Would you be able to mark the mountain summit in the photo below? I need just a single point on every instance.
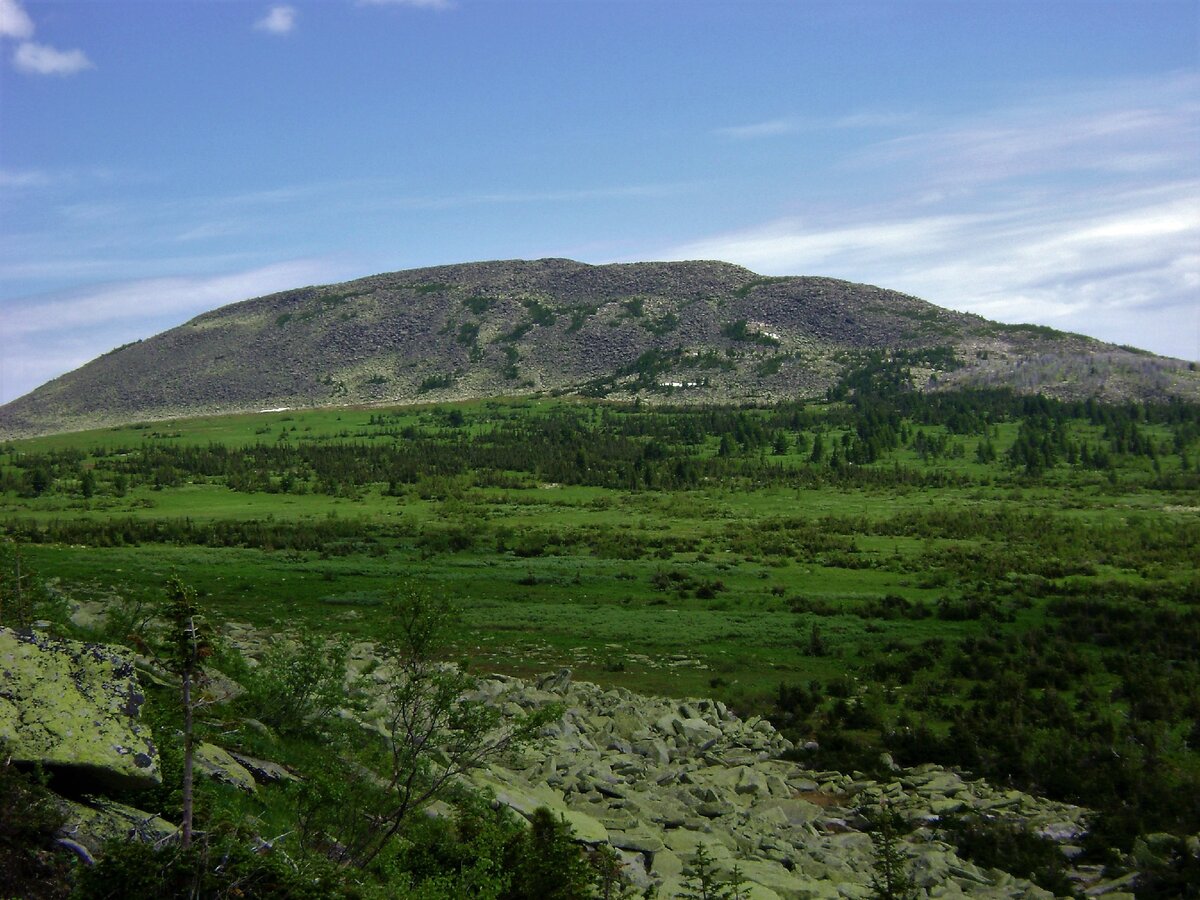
(687, 332)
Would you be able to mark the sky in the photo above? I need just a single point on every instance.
(1027, 161)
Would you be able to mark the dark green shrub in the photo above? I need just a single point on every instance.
(992, 843)
(29, 820)
(229, 869)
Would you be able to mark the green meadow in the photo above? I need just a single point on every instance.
(1002, 583)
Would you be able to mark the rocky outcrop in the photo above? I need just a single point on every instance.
(73, 708)
(514, 327)
(96, 821)
(657, 778)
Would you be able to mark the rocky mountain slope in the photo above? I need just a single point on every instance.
(684, 332)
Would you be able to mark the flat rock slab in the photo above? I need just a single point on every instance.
(96, 822)
(525, 799)
(219, 765)
(70, 705)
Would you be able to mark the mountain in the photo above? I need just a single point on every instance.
(683, 332)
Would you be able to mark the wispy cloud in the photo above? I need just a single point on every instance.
(1079, 208)
(756, 130)
(522, 197)
(40, 59)
(14, 21)
(417, 4)
(42, 337)
(105, 304)
(25, 178)
(278, 20)
(796, 125)
(874, 120)
(1128, 127)
(1059, 260)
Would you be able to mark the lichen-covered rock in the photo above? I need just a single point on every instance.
(219, 765)
(526, 798)
(264, 770)
(96, 822)
(70, 705)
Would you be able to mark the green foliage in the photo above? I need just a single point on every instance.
(222, 870)
(539, 314)
(478, 305)
(704, 881)
(770, 366)
(127, 620)
(434, 736)
(188, 640)
(977, 612)
(996, 844)
(29, 820)
(21, 591)
(579, 316)
(890, 875)
(299, 684)
(435, 382)
(468, 334)
(663, 325)
(609, 879)
(740, 330)
(1168, 867)
(546, 864)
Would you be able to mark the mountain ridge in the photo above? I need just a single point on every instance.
(690, 332)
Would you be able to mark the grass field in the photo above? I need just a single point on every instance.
(712, 552)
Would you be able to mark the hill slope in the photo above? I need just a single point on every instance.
(687, 331)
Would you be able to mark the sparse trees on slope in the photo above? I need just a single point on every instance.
(434, 734)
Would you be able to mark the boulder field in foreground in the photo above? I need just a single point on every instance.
(656, 778)
(652, 777)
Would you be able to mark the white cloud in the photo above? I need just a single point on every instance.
(39, 59)
(873, 120)
(42, 337)
(795, 125)
(14, 21)
(1121, 267)
(278, 20)
(1120, 128)
(1078, 207)
(789, 242)
(153, 297)
(417, 4)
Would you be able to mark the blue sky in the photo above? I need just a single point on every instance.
(1027, 161)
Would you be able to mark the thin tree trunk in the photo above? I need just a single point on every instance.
(186, 839)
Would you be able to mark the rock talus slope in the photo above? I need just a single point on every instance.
(683, 332)
(657, 778)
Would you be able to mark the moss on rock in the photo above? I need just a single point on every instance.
(68, 705)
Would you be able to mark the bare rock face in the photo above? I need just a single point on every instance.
(74, 708)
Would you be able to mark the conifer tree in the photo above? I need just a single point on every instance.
(187, 647)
